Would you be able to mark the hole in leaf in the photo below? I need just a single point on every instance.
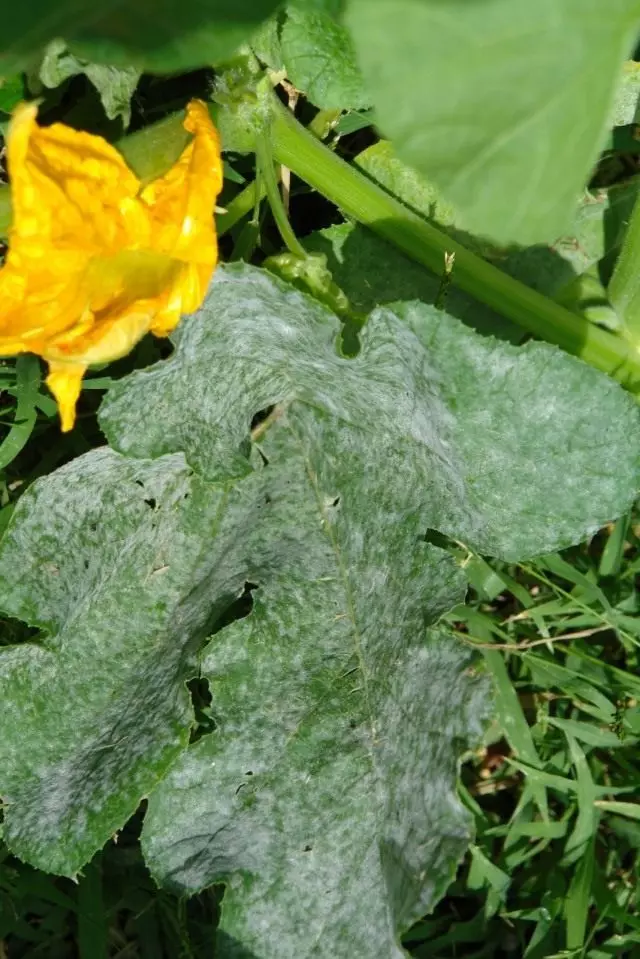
(261, 416)
(349, 340)
(201, 700)
(239, 609)
(307, 848)
(436, 538)
(151, 503)
(139, 483)
(13, 632)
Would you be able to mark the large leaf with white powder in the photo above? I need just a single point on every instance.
(325, 795)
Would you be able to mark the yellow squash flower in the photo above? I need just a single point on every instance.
(95, 259)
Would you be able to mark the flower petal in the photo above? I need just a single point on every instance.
(65, 381)
(182, 203)
(95, 262)
(70, 190)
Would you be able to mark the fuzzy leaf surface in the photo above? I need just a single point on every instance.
(115, 85)
(325, 796)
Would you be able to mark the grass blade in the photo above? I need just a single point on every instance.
(28, 376)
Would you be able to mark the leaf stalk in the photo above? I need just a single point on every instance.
(359, 197)
(624, 286)
(152, 150)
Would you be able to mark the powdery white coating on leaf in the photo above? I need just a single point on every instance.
(549, 444)
(120, 563)
(325, 797)
(519, 450)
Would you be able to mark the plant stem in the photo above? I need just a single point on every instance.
(241, 205)
(267, 173)
(624, 287)
(366, 202)
(5, 210)
(151, 151)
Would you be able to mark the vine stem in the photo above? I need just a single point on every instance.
(624, 287)
(152, 150)
(267, 172)
(369, 204)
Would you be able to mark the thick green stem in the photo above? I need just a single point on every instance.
(152, 150)
(360, 198)
(624, 288)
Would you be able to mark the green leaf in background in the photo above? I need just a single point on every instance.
(11, 93)
(115, 85)
(158, 35)
(503, 103)
(265, 43)
(308, 42)
(325, 795)
(626, 108)
(320, 60)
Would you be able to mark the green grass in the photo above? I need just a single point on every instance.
(554, 789)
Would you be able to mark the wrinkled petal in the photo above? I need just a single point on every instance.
(70, 190)
(181, 205)
(95, 261)
(65, 382)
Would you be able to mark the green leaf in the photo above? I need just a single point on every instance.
(586, 822)
(320, 60)
(28, 378)
(11, 92)
(626, 107)
(95, 708)
(159, 35)
(629, 809)
(576, 905)
(115, 85)
(439, 72)
(265, 43)
(325, 795)
(514, 724)
(485, 381)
